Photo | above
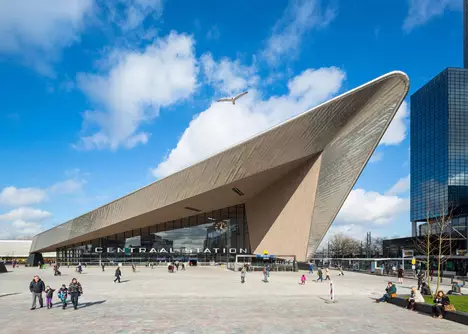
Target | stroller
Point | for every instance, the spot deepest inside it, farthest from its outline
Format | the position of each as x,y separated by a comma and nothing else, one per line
57,272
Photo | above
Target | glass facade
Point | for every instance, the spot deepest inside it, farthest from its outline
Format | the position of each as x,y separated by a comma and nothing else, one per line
429,154
214,236
439,149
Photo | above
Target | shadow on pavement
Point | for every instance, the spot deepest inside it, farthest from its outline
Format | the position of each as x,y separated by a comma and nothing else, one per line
83,305
10,294
124,281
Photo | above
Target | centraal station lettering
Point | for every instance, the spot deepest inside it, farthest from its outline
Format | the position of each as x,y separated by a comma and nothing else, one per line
131,250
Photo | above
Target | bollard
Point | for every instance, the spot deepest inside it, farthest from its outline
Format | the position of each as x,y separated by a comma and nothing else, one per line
332,292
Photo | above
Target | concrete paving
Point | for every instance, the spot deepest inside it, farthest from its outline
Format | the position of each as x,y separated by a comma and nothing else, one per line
209,300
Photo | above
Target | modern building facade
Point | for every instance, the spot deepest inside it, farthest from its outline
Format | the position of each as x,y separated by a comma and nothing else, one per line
18,250
439,149
276,193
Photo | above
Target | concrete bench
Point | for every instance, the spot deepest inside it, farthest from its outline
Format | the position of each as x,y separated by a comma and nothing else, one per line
457,316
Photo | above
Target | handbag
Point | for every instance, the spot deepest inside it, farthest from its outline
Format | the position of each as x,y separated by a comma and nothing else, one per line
449,307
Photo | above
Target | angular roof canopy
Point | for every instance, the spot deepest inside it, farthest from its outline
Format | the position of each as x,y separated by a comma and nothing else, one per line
342,132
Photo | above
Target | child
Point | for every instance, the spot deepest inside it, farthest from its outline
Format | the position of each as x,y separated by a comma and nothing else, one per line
63,294
243,272
49,294
303,279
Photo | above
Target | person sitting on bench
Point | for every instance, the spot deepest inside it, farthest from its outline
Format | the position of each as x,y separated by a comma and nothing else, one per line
390,293
425,290
415,297
456,289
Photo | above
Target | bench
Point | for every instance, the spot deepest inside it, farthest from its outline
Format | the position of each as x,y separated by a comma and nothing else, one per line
457,316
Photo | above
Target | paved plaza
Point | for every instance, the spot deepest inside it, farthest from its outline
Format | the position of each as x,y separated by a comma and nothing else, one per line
209,300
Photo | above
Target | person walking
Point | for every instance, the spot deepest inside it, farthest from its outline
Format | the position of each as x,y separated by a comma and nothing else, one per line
37,287
118,273
63,294
327,274
103,266
243,273
133,268
311,269
341,271
49,295
320,275
303,279
75,291
421,277
265,275
400,275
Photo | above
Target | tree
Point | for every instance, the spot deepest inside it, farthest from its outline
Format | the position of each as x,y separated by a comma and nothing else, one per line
343,246
437,241
376,248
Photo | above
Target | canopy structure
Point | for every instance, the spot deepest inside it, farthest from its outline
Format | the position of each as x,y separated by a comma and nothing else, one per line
292,179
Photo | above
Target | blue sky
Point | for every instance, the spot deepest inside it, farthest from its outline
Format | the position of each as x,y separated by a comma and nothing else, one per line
100,98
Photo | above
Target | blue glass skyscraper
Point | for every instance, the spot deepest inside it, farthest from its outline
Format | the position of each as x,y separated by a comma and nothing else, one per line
439,147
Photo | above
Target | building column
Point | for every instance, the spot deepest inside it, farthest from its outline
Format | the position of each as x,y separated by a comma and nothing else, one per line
414,229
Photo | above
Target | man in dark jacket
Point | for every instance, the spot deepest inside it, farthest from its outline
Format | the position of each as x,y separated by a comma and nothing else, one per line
118,273
36,287
421,277
75,291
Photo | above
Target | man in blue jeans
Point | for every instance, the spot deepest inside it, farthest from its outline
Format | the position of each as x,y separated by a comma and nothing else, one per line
390,293
311,268
320,275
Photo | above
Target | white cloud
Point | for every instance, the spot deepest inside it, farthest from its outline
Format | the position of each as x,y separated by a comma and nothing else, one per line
21,223
24,221
396,132
135,88
69,186
213,34
224,124
35,31
20,230
226,76
369,207
25,214
131,14
14,197
421,11
376,157
298,18
402,186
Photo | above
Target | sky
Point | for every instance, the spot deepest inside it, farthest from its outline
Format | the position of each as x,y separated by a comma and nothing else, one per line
99,98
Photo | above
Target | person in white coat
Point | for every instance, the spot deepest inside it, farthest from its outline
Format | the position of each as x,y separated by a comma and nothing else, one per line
415,297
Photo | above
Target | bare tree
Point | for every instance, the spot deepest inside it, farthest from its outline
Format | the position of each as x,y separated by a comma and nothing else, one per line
443,234
437,240
343,246
376,247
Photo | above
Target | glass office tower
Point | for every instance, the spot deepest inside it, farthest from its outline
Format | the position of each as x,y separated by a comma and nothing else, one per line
439,150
